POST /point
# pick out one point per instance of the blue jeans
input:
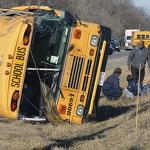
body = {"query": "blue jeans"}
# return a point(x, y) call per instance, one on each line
point(113, 94)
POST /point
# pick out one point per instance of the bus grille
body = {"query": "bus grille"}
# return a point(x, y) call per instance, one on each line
point(76, 71)
point(86, 77)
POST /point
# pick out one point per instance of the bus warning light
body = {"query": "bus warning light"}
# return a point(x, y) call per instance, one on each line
point(77, 34)
point(14, 100)
point(62, 109)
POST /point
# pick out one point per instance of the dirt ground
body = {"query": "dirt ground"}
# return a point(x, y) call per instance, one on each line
point(114, 130)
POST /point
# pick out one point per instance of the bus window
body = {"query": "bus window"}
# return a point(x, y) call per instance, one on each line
point(128, 37)
point(147, 36)
point(138, 36)
point(143, 36)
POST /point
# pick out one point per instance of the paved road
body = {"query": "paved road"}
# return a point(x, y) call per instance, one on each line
point(117, 59)
point(121, 54)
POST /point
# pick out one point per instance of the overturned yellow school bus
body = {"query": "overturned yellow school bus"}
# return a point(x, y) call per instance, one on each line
point(49, 59)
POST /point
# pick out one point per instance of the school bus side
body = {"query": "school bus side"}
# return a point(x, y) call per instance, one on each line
point(141, 35)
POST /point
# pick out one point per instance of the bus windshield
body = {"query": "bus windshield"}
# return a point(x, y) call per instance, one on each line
point(48, 51)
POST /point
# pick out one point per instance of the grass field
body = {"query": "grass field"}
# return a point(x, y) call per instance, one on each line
point(115, 129)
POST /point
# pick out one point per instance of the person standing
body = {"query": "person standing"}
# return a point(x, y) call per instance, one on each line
point(137, 60)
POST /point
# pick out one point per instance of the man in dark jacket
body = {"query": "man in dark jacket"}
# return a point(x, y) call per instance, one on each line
point(137, 60)
point(111, 88)
point(132, 85)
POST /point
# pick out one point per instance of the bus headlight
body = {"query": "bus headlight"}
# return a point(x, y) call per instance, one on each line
point(94, 40)
point(80, 110)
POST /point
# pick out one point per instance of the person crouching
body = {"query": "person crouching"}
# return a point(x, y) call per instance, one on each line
point(132, 88)
point(111, 88)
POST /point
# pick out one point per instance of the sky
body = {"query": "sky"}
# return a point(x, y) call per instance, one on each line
point(143, 3)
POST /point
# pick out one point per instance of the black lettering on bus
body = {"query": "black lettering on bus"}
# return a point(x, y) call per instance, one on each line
point(15, 84)
point(70, 104)
point(18, 66)
point(20, 53)
point(71, 95)
point(21, 49)
point(16, 76)
point(16, 80)
point(17, 73)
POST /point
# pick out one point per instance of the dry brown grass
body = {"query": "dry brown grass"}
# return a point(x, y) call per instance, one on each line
point(117, 133)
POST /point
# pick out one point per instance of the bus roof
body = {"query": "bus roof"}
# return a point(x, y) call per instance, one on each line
point(142, 32)
point(129, 31)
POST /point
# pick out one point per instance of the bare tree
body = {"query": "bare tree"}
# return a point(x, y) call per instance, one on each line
point(117, 14)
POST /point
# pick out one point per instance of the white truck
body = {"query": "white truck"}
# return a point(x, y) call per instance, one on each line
point(128, 36)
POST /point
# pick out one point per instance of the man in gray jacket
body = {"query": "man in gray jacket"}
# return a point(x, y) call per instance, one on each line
point(137, 60)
